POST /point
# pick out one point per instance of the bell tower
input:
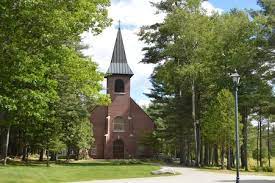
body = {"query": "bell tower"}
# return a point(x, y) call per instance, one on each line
point(118, 125)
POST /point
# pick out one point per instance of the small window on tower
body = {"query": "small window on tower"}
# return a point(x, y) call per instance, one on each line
point(119, 86)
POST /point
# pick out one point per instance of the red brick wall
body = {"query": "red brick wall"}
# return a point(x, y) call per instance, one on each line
point(98, 119)
point(136, 121)
point(142, 124)
point(119, 107)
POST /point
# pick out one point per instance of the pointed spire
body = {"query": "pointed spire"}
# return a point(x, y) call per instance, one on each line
point(119, 63)
point(119, 55)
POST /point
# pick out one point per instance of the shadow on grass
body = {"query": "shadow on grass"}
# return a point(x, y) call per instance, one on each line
point(26, 163)
point(233, 170)
point(35, 163)
point(97, 164)
point(249, 181)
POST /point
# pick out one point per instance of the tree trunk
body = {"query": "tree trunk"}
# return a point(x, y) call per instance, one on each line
point(211, 155)
point(41, 154)
point(268, 141)
point(68, 154)
point(228, 158)
point(258, 144)
point(188, 154)
point(232, 157)
point(53, 156)
point(201, 151)
point(244, 154)
point(183, 153)
point(195, 123)
point(222, 156)
point(6, 146)
point(25, 153)
point(216, 155)
point(261, 146)
point(48, 162)
point(206, 154)
point(78, 151)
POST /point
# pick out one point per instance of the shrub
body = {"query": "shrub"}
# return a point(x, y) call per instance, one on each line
point(264, 153)
point(256, 168)
point(268, 169)
point(127, 162)
point(264, 169)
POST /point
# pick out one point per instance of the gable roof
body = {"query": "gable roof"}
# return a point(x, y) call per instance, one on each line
point(119, 63)
point(134, 102)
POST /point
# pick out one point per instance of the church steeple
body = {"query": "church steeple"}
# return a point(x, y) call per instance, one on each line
point(119, 63)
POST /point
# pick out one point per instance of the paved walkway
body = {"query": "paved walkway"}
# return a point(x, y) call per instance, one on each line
point(189, 175)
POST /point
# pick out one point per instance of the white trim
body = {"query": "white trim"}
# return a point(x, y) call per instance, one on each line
point(120, 93)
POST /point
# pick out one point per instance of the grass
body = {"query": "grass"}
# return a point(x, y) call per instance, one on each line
point(79, 171)
point(252, 163)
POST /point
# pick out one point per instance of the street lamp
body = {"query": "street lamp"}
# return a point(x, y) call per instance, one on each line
point(236, 79)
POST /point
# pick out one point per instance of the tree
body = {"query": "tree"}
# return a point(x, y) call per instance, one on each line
point(218, 124)
point(34, 35)
point(196, 51)
point(268, 10)
point(79, 87)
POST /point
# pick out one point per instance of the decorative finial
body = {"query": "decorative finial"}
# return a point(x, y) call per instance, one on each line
point(119, 24)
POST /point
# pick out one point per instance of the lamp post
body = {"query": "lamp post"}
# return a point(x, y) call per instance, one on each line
point(236, 79)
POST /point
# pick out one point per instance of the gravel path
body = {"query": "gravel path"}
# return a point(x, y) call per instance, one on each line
point(189, 175)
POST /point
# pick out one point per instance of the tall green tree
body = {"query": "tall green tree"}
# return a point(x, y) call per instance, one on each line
point(195, 54)
point(33, 36)
point(219, 122)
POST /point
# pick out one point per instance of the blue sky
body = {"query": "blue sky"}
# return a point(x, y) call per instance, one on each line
point(230, 4)
point(134, 14)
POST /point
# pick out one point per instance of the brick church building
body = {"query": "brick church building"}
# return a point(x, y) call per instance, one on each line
point(119, 126)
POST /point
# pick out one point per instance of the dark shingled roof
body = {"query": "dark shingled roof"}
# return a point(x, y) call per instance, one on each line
point(119, 63)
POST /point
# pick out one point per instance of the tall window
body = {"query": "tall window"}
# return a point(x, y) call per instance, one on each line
point(119, 86)
point(119, 124)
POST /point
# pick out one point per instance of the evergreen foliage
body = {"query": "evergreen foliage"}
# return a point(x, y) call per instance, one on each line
point(195, 50)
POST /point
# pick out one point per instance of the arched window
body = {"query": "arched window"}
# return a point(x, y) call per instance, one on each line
point(119, 86)
point(119, 124)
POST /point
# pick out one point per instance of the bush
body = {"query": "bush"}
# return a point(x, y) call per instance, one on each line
point(164, 158)
point(127, 162)
point(264, 153)
point(268, 169)
point(256, 168)
point(264, 169)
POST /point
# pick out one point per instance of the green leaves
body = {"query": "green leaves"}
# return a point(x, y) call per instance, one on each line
point(218, 122)
point(191, 46)
point(44, 81)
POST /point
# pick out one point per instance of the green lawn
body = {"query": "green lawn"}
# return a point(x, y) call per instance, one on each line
point(80, 171)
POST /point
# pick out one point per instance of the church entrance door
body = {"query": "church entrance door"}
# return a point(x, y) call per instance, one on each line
point(118, 149)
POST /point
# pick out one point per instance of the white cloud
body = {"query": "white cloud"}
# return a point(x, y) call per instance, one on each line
point(133, 14)
point(144, 103)
point(210, 9)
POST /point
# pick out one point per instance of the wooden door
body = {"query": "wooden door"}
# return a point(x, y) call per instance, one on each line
point(118, 149)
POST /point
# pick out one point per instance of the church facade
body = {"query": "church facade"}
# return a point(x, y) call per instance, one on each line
point(119, 127)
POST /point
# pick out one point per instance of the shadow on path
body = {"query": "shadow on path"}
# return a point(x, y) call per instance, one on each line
point(249, 181)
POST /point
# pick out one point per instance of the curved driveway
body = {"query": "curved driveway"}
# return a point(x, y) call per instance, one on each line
point(189, 175)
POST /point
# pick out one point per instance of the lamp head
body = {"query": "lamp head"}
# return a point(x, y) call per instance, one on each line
point(235, 77)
